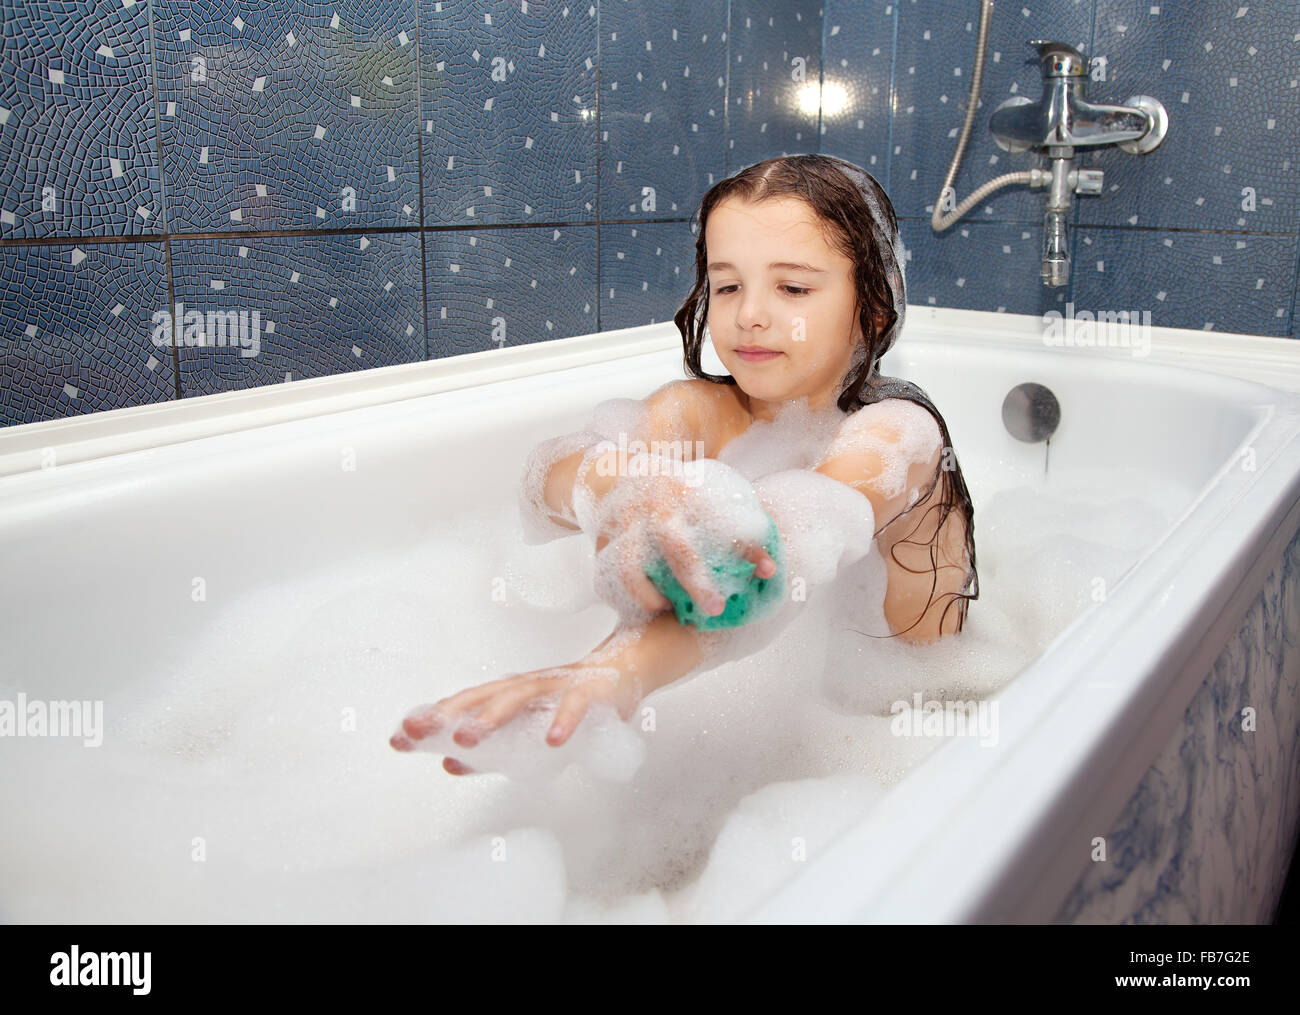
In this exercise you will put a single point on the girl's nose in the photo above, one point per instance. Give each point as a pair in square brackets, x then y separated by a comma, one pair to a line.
[752, 312]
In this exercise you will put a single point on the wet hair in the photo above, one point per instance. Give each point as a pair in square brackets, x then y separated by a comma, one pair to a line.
[862, 225]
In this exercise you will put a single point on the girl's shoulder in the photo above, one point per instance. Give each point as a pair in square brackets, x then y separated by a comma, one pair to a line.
[696, 409]
[892, 421]
[693, 391]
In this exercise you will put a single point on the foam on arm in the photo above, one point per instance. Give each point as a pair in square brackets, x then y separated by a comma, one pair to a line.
[890, 452]
[667, 414]
[578, 451]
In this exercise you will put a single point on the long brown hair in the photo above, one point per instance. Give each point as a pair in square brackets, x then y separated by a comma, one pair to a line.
[864, 228]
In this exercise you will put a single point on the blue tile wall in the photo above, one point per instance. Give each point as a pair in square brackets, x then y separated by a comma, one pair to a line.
[1216, 281]
[78, 326]
[646, 271]
[977, 266]
[932, 68]
[857, 85]
[489, 288]
[1229, 75]
[663, 106]
[329, 164]
[325, 305]
[508, 106]
[776, 65]
[294, 118]
[78, 137]
[1202, 232]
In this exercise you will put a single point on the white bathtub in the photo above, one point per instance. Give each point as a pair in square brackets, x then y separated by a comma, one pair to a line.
[107, 520]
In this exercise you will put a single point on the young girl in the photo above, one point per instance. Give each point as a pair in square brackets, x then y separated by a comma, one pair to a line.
[799, 279]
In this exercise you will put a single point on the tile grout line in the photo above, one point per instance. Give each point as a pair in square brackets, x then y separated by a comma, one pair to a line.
[1076, 223]
[1295, 290]
[419, 163]
[599, 145]
[89, 239]
[726, 101]
[821, 78]
[1183, 230]
[162, 201]
[893, 98]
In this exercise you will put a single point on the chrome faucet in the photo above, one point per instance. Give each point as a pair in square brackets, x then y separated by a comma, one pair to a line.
[1063, 120]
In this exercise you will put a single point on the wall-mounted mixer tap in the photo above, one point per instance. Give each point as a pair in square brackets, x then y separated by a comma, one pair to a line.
[1060, 122]
[1063, 120]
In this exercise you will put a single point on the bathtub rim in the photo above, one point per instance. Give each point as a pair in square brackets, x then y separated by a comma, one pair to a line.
[1271, 362]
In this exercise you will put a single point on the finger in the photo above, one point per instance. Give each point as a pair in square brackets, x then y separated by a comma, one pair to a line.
[473, 697]
[454, 767]
[504, 707]
[764, 565]
[573, 706]
[689, 569]
[420, 723]
[629, 566]
[429, 719]
[642, 589]
[400, 742]
[468, 732]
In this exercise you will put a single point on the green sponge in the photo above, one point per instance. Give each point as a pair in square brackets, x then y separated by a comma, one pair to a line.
[746, 596]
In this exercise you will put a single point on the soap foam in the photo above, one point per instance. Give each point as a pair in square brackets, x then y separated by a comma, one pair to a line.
[538, 525]
[611, 418]
[900, 432]
[796, 438]
[825, 527]
[707, 507]
[268, 748]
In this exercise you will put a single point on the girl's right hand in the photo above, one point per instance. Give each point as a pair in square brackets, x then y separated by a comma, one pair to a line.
[646, 520]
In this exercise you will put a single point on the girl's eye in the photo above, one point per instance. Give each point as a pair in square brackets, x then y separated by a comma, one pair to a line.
[793, 290]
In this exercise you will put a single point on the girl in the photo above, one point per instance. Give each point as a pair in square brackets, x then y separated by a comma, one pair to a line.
[799, 279]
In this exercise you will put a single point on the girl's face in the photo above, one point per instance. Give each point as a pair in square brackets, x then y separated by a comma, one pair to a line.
[777, 284]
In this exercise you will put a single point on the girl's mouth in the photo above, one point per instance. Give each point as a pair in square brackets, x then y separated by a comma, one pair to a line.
[756, 355]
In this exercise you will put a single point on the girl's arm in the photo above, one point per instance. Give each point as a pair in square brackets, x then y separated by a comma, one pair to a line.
[890, 451]
[672, 413]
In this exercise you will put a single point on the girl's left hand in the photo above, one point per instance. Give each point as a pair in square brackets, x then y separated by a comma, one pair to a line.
[478, 711]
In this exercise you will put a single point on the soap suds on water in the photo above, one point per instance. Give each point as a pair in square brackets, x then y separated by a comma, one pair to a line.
[256, 783]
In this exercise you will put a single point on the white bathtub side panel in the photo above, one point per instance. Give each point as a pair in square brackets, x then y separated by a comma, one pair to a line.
[1207, 836]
